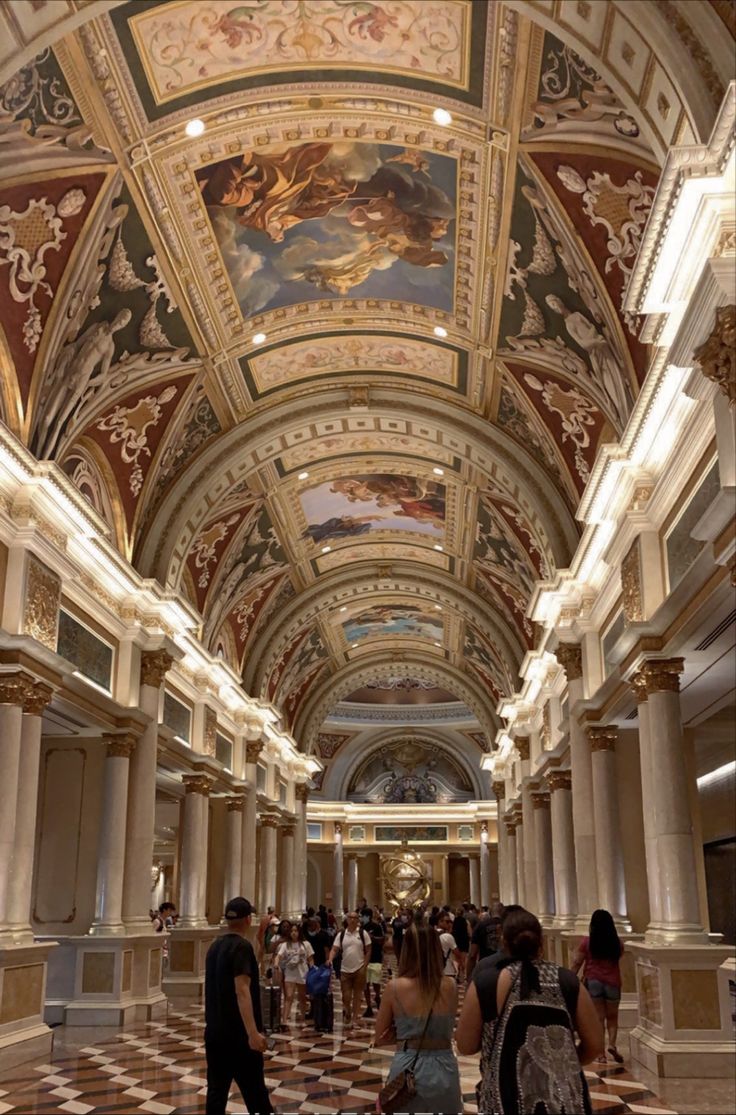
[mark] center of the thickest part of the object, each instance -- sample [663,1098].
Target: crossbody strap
[424,1033]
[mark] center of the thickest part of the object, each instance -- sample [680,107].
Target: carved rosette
[301,792]
[570,657]
[602,739]
[154,665]
[15,688]
[209,741]
[119,746]
[37,699]
[662,675]
[559,780]
[253,750]
[631,584]
[236,804]
[522,744]
[540,799]
[41,606]
[717,356]
[499,790]
[197,784]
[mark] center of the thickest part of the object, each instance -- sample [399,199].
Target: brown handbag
[400,1089]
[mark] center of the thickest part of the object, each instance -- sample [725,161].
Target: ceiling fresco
[336,362]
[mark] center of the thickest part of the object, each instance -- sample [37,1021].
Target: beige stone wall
[717,812]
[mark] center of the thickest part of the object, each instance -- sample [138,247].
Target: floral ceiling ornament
[25,238]
[206,543]
[570,89]
[130,425]
[576,413]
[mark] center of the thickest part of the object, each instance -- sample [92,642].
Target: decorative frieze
[154,665]
[197,784]
[717,355]
[631,584]
[602,739]
[570,657]
[541,800]
[559,780]
[119,746]
[662,675]
[41,607]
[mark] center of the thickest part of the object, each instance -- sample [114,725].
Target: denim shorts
[599,990]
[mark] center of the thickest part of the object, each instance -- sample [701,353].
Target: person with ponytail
[524,1017]
[599,956]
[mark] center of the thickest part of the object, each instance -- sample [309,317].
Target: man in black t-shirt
[374,972]
[233,1041]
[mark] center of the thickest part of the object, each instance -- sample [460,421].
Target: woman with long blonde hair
[417,1013]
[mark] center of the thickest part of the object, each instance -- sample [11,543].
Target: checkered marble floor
[159,1068]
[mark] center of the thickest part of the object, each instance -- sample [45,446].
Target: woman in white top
[293,958]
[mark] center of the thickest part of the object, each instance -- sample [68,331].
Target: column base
[24,1034]
[184,974]
[686,935]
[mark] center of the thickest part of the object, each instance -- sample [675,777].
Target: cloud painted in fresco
[393,619]
[354,506]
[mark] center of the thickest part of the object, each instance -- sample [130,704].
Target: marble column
[108,919]
[24,846]
[520,876]
[269,863]
[141,818]
[338,890]
[527,812]
[14,689]
[301,793]
[485,866]
[499,792]
[445,879]
[286,889]
[233,848]
[195,824]
[474,868]
[543,856]
[352,882]
[510,895]
[608,851]
[248,862]
[563,848]
[569,656]
[670,805]
[647,791]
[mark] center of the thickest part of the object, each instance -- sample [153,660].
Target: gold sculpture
[405,878]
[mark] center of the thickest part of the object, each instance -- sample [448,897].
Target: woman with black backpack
[524,1016]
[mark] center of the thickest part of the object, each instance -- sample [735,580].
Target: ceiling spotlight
[194,128]
[326,549]
[259,338]
[442,117]
[438,607]
[344,608]
[440,331]
[437,546]
[438,644]
[438,471]
[302,476]
[354,646]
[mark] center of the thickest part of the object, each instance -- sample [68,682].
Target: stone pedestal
[24,1035]
[105,981]
[685,1027]
[187,952]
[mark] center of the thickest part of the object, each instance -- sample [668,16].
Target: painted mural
[393,619]
[352,506]
[328,220]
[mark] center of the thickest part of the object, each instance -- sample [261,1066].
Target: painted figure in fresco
[417,498]
[80,371]
[340,526]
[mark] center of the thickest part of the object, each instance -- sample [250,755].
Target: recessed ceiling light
[344,608]
[438,644]
[354,646]
[194,128]
[442,117]
[326,549]
[438,607]
[302,476]
[437,546]
[438,471]
[259,338]
[440,331]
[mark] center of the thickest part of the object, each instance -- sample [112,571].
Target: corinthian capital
[15,688]
[570,657]
[154,664]
[197,784]
[662,675]
[602,739]
[499,790]
[717,356]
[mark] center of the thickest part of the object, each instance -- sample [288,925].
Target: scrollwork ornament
[41,609]
[717,355]
[209,740]
[154,665]
[631,584]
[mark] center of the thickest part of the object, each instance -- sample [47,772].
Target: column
[485,866]
[108,920]
[563,847]
[250,822]
[474,880]
[14,689]
[499,792]
[19,888]
[195,823]
[233,848]
[650,836]
[609,857]
[445,879]
[569,656]
[286,890]
[510,895]
[520,877]
[142,797]
[269,863]
[670,803]
[543,856]
[337,887]
[352,882]
[527,812]
[301,793]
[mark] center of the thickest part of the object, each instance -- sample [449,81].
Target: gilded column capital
[197,784]
[602,739]
[288,830]
[37,698]
[338,828]
[15,688]
[559,780]
[154,664]
[570,657]
[522,745]
[717,355]
[253,750]
[301,792]
[269,822]
[119,746]
[511,826]
[662,675]
[499,790]
[540,799]
[236,804]
[639,685]
[484,828]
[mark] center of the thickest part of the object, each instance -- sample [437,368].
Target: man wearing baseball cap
[233,1040]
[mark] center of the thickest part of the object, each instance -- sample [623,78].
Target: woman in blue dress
[419,991]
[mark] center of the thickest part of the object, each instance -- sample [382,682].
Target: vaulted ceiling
[334,370]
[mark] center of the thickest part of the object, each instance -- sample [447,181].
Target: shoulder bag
[397,1092]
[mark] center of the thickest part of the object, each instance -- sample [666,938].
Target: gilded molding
[236,804]
[559,780]
[717,355]
[197,784]
[541,800]
[662,675]
[119,746]
[522,745]
[602,739]
[570,657]
[41,606]
[154,664]
[209,739]
[37,699]
[631,584]
[499,790]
